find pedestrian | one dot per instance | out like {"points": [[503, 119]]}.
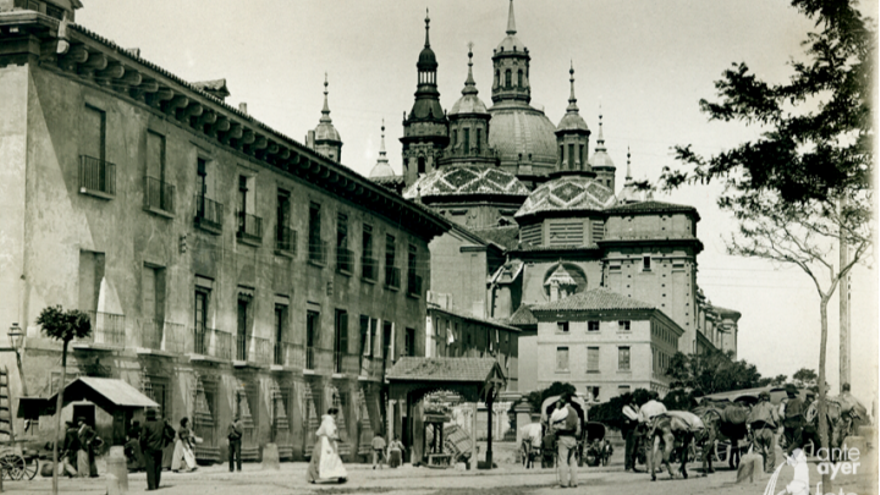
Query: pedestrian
{"points": [[566, 424], [325, 464], [155, 436], [183, 458], [70, 451], [793, 421], [762, 422], [379, 446], [87, 443], [133, 454], [234, 434], [630, 434], [395, 452]]}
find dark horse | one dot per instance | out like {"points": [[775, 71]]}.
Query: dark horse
{"points": [[671, 430]]}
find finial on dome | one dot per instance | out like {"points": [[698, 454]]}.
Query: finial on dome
{"points": [[600, 138], [470, 87], [382, 143], [628, 168], [427, 28], [511, 22], [326, 110], [572, 101]]}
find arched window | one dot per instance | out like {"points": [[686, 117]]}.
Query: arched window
{"points": [[421, 169], [497, 78], [507, 82], [454, 138], [519, 78]]}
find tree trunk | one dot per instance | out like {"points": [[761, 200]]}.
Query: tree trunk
{"points": [[58, 406], [823, 390]]}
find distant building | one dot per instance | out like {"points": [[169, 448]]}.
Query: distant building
{"points": [[227, 269]]}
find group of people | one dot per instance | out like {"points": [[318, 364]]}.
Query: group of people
{"points": [[635, 423], [766, 421], [81, 443]]}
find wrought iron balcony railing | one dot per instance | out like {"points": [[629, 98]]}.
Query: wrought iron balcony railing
{"points": [[158, 195], [285, 240], [288, 354], [392, 277], [107, 329], [344, 259], [369, 268], [209, 213], [250, 227], [413, 284], [318, 252], [96, 176]]}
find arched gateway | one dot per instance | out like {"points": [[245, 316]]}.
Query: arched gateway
{"points": [[412, 378]]}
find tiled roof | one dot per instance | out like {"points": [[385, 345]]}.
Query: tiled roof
{"points": [[568, 193], [498, 323], [651, 207], [442, 369], [506, 237], [463, 180], [593, 300], [522, 316], [388, 179]]}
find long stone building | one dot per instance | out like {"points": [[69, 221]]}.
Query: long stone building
{"points": [[227, 269]]}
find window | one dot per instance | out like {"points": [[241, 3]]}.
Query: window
{"points": [[623, 358], [497, 78], [285, 237], [387, 340], [96, 174], [243, 332], [581, 153], [478, 143], [158, 195], [317, 247], [392, 273], [562, 359], [365, 335], [467, 141], [421, 169], [592, 359], [409, 343], [562, 326], [209, 213], [343, 254], [153, 306], [200, 323], [646, 263], [340, 341], [593, 326], [623, 325], [519, 78], [280, 333], [312, 329], [507, 82], [249, 225], [571, 157], [593, 393], [413, 281], [368, 262], [454, 138], [374, 331]]}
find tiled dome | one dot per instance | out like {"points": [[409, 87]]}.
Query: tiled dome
{"points": [[568, 193], [466, 180]]}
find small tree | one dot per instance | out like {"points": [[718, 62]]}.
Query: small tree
{"points": [[806, 378], [64, 326]]}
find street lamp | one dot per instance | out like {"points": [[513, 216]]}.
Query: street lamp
{"points": [[16, 337]]}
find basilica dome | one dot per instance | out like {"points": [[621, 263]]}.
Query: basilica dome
{"points": [[466, 181], [568, 193], [520, 133]]}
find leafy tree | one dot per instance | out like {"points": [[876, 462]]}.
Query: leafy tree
{"points": [[806, 378], [679, 400], [803, 187], [64, 326], [711, 372], [610, 413], [537, 397]]}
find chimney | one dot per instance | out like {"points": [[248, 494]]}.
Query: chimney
{"points": [[310, 139], [242, 107]]}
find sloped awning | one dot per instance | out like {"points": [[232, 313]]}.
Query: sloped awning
{"points": [[109, 394], [470, 377]]}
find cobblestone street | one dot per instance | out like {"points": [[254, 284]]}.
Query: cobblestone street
{"points": [[507, 479]]}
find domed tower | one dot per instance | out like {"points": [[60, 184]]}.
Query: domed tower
{"points": [[426, 128], [572, 137], [469, 127], [601, 163], [629, 194], [325, 138], [522, 135]]}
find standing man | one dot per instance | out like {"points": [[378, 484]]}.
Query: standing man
{"points": [[567, 425], [234, 434], [762, 422], [378, 445], [70, 451], [793, 421], [628, 428], [86, 461], [155, 436]]}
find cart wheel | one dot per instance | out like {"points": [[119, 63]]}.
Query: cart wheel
{"points": [[12, 466], [32, 468]]}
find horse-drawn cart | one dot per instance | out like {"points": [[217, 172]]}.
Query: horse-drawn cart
{"points": [[580, 408], [598, 448]]}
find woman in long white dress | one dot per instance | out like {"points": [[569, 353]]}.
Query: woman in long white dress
{"points": [[183, 458], [325, 464]]}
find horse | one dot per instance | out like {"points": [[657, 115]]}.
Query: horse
{"points": [[669, 428], [725, 424]]}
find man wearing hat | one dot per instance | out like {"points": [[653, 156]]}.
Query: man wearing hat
{"points": [[793, 421], [629, 427], [762, 420], [155, 436], [565, 422]]}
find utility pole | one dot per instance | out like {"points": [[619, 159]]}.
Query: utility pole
{"points": [[845, 347]]}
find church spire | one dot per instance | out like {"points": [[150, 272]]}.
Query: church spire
{"points": [[572, 101], [470, 87], [325, 112], [600, 139], [628, 168], [427, 28], [382, 157], [511, 21]]}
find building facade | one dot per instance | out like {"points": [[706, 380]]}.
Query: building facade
{"points": [[227, 269]]}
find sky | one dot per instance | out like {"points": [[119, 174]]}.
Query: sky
{"points": [[644, 63]]}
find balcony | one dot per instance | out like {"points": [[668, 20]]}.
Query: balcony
{"points": [[250, 228], [251, 349], [97, 177], [345, 363], [158, 197], [288, 355], [285, 241], [392, 277], [344, 259], [149, 334], [318, 252], [209, 215], [213, 343], [107, 329], [413, 285], [369, 267], [317, 358], [372, 367]]}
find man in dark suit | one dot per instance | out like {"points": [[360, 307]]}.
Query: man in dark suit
{"points": [[87, 438], [155, 436], [70, 449], [234, 434]]}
